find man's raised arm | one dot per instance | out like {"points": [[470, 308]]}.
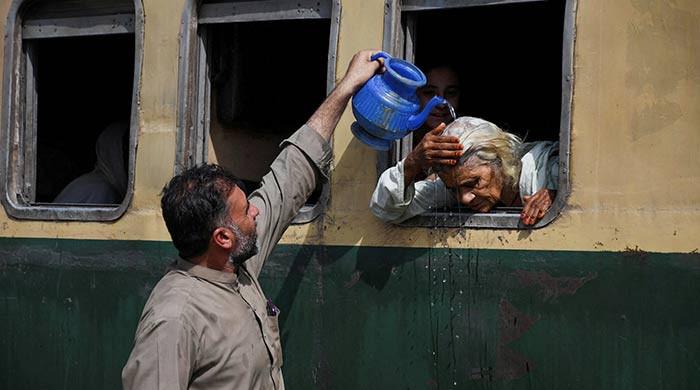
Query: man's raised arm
{"points": [[304, 160], [326, 117]]}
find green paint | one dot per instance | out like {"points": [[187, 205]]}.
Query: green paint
{"points": [[375, 318]]}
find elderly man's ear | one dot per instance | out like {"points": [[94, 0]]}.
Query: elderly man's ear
{"points": [[224, 238]]}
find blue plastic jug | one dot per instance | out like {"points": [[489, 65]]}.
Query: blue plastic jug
{"points": [[386, 107]]}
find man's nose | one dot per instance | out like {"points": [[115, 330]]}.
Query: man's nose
{"points": [[254, 211]]}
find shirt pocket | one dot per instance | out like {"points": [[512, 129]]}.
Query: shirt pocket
{"points": [[274, 329]]}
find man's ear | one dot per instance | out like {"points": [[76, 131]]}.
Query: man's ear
{"points": [[224, 238]]}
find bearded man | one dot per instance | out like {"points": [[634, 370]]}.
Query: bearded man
{"points": [[207, 323]]}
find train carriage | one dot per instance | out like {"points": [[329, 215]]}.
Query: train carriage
{"points": [[600, 294]]}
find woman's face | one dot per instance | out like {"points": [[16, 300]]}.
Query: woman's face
{"points": [[477, 186], [442, 81]]}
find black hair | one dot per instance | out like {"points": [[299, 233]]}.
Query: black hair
{"points": [[194, 203], [428, 66]]}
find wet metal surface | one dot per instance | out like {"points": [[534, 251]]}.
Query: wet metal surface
{"points": [[375, 318]]}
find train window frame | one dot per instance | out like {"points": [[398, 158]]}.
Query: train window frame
{"points": [[398, 39], [19, 120], [194, 82]]}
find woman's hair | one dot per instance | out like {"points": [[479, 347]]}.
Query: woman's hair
{"points": [[427, 67], [488, 144]]}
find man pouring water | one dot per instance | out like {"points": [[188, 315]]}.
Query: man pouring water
{"points": [[207, 324]]}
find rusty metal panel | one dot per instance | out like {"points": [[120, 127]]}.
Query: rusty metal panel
{"points": [[422, 5], [255, 11], [78, 26], [376, 318]]}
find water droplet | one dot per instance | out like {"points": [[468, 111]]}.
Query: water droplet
{"points": [[452, 110]]}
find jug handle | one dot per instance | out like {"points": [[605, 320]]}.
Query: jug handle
{"points": [[415, 121], [380, 54]]}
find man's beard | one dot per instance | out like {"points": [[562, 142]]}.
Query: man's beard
{"points": [[247, 246]]}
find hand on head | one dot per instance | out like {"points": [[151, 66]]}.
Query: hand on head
{"points": [[434, 151]]}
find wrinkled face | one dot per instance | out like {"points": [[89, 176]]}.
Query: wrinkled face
{"points": [[442, 82], [476, 185], [242, 216]]}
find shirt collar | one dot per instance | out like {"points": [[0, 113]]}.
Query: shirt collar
{"points": [[205, 273]]}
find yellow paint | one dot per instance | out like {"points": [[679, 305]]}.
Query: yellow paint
{"points": [[635, 162]]}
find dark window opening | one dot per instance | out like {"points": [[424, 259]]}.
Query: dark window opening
{"points": [[83, 85], [267, 80], [509, 59], [71, 76]]}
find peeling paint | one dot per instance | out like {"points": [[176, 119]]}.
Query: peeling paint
{"points": [[513, 324], [551, 287]]}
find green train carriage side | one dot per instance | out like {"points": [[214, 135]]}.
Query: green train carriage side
{"points": [[599, 295]]}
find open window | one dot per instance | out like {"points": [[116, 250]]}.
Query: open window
{"points": [[514, 62], [252, 73], [69, 118]]}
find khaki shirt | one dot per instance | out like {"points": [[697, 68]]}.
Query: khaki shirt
{"points": [[206, 329]]}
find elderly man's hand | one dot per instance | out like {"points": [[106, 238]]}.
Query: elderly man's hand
{"points": [[536, 206], [361, 69], [434, 150]]}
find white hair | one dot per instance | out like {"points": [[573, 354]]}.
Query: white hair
{"points": [[489, 144]]}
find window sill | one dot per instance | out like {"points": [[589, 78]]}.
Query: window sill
{"points": [[66, 212], [499, 218]]}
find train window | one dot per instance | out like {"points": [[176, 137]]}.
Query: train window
{"points": [[252, 73], [69, 118], [513, 60]]}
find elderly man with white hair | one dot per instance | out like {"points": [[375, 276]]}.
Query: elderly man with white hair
{"points": [[478, 166]]}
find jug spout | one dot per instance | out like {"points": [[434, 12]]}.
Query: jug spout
{"points": [[415, 121]]}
